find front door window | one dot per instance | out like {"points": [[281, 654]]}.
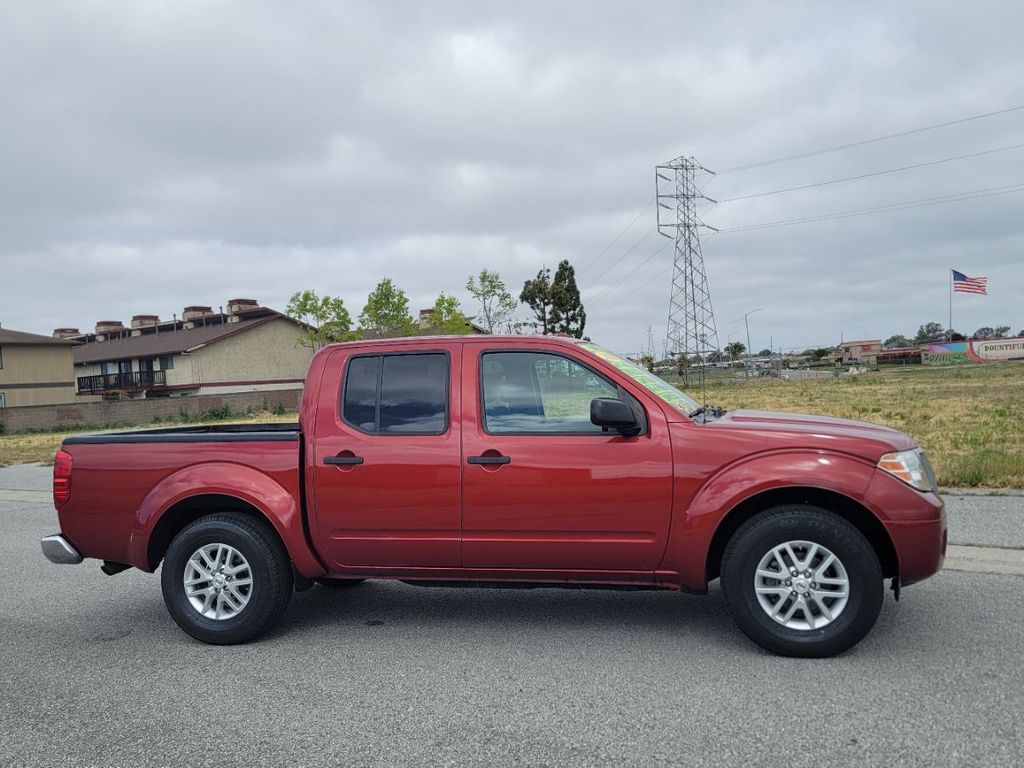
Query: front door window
{"points": [[536, 393]]}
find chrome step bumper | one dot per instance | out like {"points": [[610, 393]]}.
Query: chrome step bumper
{"points": [[57, 549]]}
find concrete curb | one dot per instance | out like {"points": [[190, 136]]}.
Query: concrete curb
{"points": [[981, 491], [985, 560]]}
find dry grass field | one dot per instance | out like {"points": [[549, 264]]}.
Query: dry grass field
{"points": [[970, 419], [41, 446]]}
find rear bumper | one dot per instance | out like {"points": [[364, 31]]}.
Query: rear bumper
{"points": [[58, 550]]}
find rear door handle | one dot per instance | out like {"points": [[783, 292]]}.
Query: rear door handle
{"points": [[343, 459], [490, 459]]}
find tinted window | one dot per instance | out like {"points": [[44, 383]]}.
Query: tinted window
{"points": [[537, 392], [397, 394], [413, 394], [360, 401]]}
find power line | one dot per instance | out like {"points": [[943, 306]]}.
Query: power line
{"points": [[869, 175], [618, 237], [611, 289], [926, 201], [863, 142], [591, 283], [660, 274]]}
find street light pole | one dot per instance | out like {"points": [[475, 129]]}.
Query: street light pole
{"points": [[746, 368]]}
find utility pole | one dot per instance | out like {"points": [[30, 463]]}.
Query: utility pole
{"points": [[746, 368], [691, 320]]}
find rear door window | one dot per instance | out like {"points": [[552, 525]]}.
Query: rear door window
{"points": [[400, 394]]}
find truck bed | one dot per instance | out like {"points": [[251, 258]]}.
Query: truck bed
{"points": [[203, 433], [123, 481]]}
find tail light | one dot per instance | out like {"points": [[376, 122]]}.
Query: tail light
{"points": [[61, 478]]}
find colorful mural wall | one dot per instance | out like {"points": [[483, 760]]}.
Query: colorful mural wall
{"points": [[988, 351]]}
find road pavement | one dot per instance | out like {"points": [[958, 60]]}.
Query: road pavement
{"points": [[94, 672]]}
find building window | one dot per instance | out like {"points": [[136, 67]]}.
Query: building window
{"points": [[167, 362], [1, 357], [3, 400]]}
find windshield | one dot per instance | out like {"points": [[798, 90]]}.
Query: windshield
{"points": [[654, 384]]}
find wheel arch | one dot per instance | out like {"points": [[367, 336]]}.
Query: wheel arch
{"points": [[849, 509], [186, 511], [203, 489]]}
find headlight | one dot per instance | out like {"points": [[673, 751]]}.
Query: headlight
{"points": [[911, 467]]}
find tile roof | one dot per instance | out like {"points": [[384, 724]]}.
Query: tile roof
{"points": [[167, 342], [20, 337]]}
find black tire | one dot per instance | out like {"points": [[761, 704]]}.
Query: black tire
{"points": [[339, 583], [800, 522], [271, 570]]}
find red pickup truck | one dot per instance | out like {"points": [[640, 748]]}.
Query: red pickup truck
{"points": [[506, 461]]}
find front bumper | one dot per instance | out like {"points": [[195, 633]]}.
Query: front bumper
{"points": [[916, 522], [58, 550]]}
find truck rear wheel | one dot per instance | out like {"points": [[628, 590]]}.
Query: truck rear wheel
{"points": [[226, 578], [802, 581]]}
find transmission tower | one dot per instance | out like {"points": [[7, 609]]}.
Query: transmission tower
{"points": [[691, 321]]}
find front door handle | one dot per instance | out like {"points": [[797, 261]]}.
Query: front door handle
{"points": [[343, 460], [490, 459]]}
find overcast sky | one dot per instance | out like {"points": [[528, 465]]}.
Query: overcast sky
{"points": [[154, 155]]}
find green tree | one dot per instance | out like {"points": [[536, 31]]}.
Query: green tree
{"points": [[446, 319], [765, 353], [930, 332], [647, 361], [897, 341], [536, 294], [496, 303], [735, 349], [818, 353], [386, 313], [1001, 331], [985, 332], [570, 316], [325, 317]]}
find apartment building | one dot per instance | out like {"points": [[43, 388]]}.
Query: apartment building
{"points": [[247, 348], [35, 370]]}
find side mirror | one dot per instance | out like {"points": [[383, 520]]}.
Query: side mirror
{"points": [[613, 414]]}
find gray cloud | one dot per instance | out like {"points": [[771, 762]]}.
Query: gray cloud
{"points": [[156, 155]]}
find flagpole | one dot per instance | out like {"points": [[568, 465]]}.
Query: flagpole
{"points": [[949, 329]]}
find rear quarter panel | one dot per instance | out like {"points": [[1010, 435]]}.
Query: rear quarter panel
{"points": [[120, 491]]}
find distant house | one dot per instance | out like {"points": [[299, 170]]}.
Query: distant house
{"points": [[35, 370], [857, 352], [248, 348]]}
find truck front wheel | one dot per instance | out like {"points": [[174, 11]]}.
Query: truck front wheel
{"points": [[802, 581], [226, 578]]}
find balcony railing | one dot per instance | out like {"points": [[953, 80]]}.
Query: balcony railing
{"points": [[121, 382]]}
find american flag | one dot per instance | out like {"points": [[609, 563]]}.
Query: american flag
{"points": [[964, 284]]}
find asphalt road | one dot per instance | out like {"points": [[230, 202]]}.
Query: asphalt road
{"points": [[94, 672]]}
